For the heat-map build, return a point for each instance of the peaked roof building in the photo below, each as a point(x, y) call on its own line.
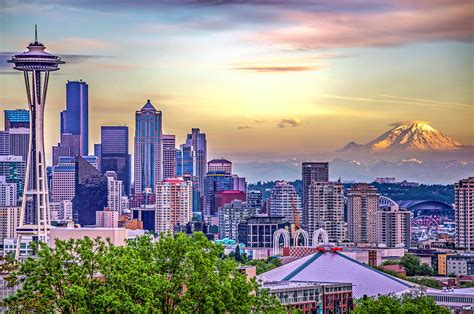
point(337, 267)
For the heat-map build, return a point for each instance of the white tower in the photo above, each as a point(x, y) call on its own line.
point(34, 214)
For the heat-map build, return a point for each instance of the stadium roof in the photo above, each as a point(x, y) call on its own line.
point(336, 267)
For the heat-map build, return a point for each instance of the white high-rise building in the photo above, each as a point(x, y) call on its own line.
point(173, 204)
point(283, 198)
point(8, 193)
point(114, 192)
point(464, 213)
point(393, 227)
point(231, 215)
point(326, 209)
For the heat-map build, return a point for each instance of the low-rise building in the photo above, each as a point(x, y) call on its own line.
point(460, 265)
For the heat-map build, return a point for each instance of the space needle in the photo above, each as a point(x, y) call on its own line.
point(36, 64)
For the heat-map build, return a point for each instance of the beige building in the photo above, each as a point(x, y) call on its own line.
point(173, 204)
point(326, 209)
point(393, 227)
point(107, 218)
point(362, 208)
point(464, 213)
point(9, 220)
point(117, 236)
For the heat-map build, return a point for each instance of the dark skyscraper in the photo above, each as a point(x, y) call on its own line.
point(90, 192)
point(114, 153)
point(75, 119)
point(148, 130)
point(312, 171)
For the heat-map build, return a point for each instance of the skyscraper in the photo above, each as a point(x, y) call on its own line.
point(199, 144)
point(13, 168)
point(173, 204)
point(231, 215)
point(114, 153)
point(90, 192)
point(185, 160)
point(283, 198)
point(362, 208)
point(8, 193)
point(326, 201)
point(63, 180)
point(464, 213)
point(219, 165)
point(168, 156)
point(312, 172)
point(19, 142)
point(75, 119)
point(34, 213)
point(17, 118)
point(148, 130)
point(114, 192)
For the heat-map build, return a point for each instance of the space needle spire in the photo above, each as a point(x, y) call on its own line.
point(36, 65)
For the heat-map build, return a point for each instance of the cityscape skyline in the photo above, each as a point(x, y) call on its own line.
point(231, 86)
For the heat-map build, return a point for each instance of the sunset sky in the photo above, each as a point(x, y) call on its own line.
point(263, 79)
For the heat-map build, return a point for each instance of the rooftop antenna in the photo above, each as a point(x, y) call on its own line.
point(36, 34)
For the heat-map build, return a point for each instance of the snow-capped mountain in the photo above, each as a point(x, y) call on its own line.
point(408, 135)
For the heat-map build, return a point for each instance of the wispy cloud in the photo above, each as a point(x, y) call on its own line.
point(287, 122)
point(260, 121)
point(243, 127)
point(436, 105)
point(277, 69)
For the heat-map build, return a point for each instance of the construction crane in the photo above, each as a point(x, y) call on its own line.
point(296, 214)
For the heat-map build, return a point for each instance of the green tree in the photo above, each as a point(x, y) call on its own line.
point(414, 267)
point(414, 302)
point(174, 274)
point(238, 256)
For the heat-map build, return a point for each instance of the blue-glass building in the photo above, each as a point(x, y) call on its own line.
point(114, 153)
point(185, 160)
point(75, 119)
point(215, 182)
point(148, 130)
point(17, 118)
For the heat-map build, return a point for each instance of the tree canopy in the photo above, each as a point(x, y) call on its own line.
point(414, 302)
point(174, 274)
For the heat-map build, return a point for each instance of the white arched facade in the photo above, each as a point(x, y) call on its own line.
point(324, 235)
point(276, 240)
point(304, 234)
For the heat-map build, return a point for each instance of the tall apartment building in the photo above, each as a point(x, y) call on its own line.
point(168, 153)
point(148, 131)
point(114, 192)
point(312, 172)
point(326, 209)
point(8, 193)
point(464, 213)
point(173, 204)
point(362, 208)
point(283, 198)
point(393, 227)
point(9, 221)
point(219, 165)
point(233, 214)
point(114, 154)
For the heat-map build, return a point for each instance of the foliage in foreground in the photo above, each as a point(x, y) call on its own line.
point(414, 302)
point(175, 274)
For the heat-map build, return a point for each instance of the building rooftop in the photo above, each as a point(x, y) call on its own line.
point(336, 267)
point(18, 115)
point(148, 106)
